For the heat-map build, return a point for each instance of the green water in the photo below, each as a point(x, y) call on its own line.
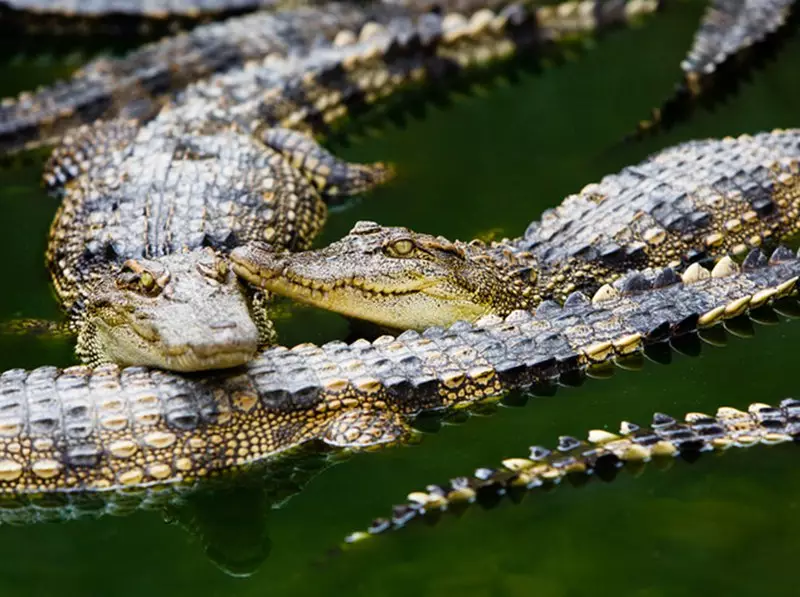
point(493, 159)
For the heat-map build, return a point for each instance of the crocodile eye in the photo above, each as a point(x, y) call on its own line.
point(147, 281)
point(133, 276)
point(401, 247)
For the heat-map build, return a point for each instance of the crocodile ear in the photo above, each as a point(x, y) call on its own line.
point(365, 428)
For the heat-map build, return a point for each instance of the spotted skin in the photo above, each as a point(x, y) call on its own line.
point(603, 453)
point(696, 201)
point(230, 161)
point(109, 429)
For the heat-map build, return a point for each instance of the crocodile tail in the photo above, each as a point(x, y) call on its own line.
point(148, 20)
point(735, 38)
point(136, 85)
point(603, 453)
point(361, 71)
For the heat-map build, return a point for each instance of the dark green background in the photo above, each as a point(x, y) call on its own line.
point(494, 159)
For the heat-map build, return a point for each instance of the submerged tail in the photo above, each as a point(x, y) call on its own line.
point(734, 38)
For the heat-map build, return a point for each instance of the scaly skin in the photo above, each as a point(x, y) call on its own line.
point(695, 201)
point(734, 37)
point(114, 17)
point(138, 84)
point(603, 453)
point(215, 169)
point(107, 430)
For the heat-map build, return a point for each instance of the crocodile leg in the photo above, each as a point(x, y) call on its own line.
point(84, 148)
point(332, 176)
point(602, 453)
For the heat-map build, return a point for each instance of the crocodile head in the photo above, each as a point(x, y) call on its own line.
point(389, 276)
point(184, 312)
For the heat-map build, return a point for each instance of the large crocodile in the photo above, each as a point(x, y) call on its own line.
point(603, 453)
point(692, 202)
point(107, 430)
point(215, 168)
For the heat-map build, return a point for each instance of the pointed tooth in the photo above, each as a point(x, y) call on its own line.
point(695, 273)
point(605, 293)
point(725, 267)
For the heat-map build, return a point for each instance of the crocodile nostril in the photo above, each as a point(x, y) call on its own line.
point(222, 325)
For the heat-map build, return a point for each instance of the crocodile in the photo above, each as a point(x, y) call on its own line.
point(114, 17)
point(690, 203)
point(225, 163)
point(107, 430)
point(138, 84)
point(735, 37)
point(603, 454)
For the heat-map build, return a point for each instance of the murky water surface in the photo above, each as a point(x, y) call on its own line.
point(493, 159)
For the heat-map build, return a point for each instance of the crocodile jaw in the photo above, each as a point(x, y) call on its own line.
point(403, 303)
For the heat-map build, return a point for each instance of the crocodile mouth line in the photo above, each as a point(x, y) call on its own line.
point(296, 285)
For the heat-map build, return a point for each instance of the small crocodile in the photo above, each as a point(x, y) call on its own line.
point(218, 167)
point(137, 85)
point(603, 453)
point(111, 17)
point(107, 430)
point(692, 202)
